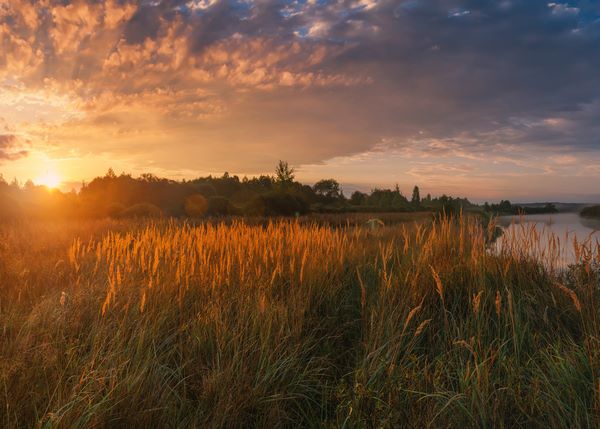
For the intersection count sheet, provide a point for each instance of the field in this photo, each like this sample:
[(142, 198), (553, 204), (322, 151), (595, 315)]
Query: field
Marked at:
[(291, 324)]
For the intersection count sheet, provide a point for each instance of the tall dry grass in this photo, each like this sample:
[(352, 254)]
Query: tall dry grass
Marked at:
[(167, 324)]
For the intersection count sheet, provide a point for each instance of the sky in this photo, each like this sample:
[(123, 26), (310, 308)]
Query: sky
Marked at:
[(484, 99)]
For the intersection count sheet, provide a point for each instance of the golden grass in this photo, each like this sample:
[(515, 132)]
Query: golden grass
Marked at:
[(293, 324)]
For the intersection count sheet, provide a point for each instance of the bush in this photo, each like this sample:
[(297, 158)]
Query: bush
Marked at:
[(195, 205), (218, 206), (593, 211), (141, 210), (114, 210), (277, 204), (206, 189)]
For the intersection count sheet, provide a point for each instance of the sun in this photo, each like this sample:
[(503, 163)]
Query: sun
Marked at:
[(50, 179)]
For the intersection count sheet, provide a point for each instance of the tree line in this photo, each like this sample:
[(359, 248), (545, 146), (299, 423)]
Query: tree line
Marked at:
[(505, 207), (280, 194)]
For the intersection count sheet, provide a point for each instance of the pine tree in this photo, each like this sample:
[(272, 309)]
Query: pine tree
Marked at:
[(416, 196)]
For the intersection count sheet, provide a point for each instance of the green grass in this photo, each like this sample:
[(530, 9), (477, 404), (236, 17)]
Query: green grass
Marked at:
[(290, 325)]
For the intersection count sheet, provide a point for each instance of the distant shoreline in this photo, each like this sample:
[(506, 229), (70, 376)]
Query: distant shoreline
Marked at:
[(592, 212)]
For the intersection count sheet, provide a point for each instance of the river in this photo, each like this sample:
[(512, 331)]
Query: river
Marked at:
[(556, 239)]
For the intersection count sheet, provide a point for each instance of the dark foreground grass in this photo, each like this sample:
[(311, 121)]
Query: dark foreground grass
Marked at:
[(290, 325)]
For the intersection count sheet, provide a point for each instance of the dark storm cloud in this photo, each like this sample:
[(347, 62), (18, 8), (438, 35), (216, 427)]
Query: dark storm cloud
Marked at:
[(476, 66), (444, 68)]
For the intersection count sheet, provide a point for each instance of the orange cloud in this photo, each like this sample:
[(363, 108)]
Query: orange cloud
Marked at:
[(10, 149)]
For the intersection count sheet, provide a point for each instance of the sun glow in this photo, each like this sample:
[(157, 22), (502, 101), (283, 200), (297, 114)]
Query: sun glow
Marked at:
[(50, 179)]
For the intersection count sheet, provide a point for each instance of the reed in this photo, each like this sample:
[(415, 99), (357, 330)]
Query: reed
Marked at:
[(294, 324)]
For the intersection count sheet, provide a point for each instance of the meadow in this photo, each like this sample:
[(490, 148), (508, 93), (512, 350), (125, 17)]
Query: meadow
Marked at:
[(287, 323)]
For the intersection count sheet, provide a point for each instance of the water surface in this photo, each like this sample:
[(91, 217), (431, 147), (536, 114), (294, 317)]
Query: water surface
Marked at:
[(557, 239)]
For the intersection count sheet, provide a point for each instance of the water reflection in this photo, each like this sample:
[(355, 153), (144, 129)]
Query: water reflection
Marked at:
[(556, 239)]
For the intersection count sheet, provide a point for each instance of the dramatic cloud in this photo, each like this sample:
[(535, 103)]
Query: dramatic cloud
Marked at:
[(444, 88)]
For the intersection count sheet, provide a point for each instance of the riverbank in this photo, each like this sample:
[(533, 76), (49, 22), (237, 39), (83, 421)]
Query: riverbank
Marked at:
[(591, 212), (556, 236)]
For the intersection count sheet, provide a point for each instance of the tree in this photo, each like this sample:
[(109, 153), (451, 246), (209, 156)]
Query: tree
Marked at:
[(284, 175), (195, 205), (277, 204), (328, 188), (358, 198), (218, 206), (206, 189), (505, 206), (416, 196), (398, 199), (149, 177), (447, 204)]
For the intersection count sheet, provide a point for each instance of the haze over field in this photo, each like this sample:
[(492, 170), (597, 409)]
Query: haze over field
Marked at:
[(487, 99)]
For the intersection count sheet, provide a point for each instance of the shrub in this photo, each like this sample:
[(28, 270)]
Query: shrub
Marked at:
[(114, 210), (206, 189), (277, 204), (218, 206), (593, 211), (195, 205)]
